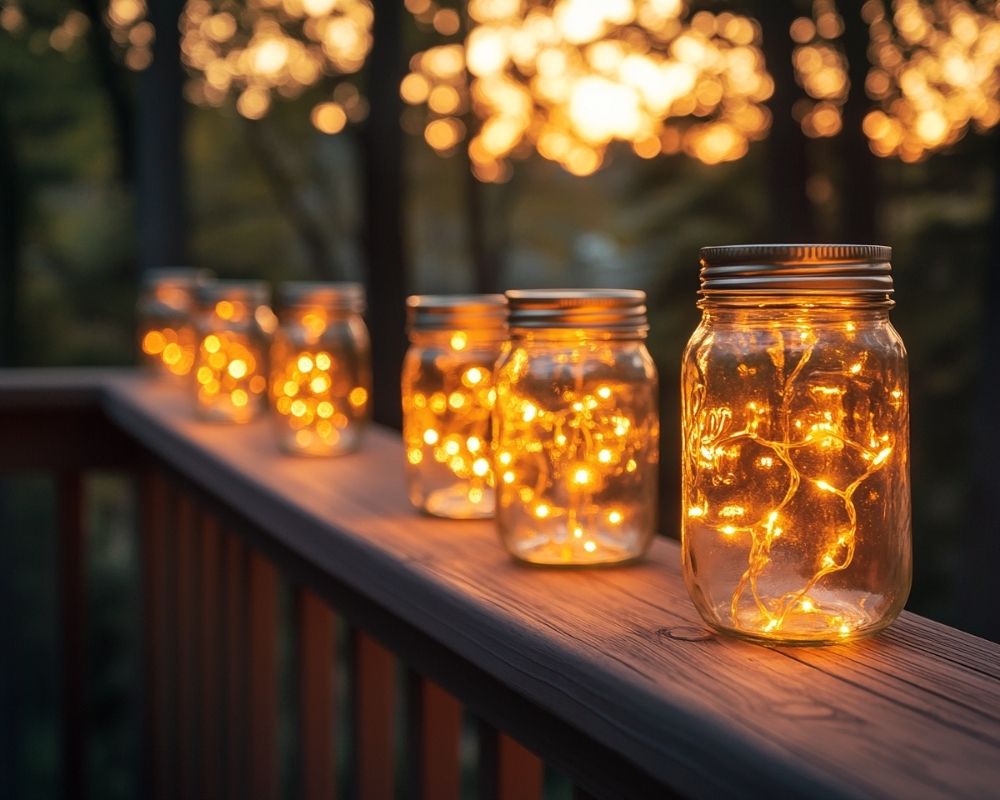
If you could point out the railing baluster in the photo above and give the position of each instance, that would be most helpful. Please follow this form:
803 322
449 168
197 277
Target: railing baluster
210 738
235 566
374 706
315 664
507 769
263 678
187 635
153 548
435 720
72 560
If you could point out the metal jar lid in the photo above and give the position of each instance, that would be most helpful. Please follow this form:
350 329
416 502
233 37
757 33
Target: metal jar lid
618 310
443 312
254 293
848 269
181 277
336 296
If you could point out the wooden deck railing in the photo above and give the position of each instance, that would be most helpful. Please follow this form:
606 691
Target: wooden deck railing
607 675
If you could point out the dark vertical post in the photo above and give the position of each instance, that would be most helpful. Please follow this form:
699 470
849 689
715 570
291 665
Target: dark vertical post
11 207
791 211
72 604
384 224
153 549
859 186
160 174
981 542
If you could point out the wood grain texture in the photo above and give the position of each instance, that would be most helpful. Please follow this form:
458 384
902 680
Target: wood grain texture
597 670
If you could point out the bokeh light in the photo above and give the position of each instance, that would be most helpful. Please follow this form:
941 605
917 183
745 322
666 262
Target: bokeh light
566 79
258 50
935 72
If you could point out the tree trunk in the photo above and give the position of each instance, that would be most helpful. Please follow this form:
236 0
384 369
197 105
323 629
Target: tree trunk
791 211
287 192
160 165
11 220
114 79
859 184
387 274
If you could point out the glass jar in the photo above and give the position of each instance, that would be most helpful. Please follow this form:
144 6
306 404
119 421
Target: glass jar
233 323
166 329
796 494
576 428
447 390
320 369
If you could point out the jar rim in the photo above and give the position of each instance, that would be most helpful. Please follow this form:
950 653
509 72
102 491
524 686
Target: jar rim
185 277
335 295
786 269
596 309
440 312
247 291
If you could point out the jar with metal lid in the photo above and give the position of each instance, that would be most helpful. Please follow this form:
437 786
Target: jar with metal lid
234 322
447 390
320 368
795 423
576 428
166 329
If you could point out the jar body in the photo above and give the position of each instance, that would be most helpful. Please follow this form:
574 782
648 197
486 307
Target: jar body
795 494
167 339
447 390
576 431
230 366
320 381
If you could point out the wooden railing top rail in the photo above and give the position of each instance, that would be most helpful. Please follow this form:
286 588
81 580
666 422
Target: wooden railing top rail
608 673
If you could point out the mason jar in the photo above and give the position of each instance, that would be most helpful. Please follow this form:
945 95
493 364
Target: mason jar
167 341
576 428
795 423
320 368
447 391
233 323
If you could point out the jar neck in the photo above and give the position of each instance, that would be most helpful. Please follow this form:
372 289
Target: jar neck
576 336
746 306
459 339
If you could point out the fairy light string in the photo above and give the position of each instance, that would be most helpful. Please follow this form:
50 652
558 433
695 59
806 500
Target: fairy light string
558 458
448 424
713 448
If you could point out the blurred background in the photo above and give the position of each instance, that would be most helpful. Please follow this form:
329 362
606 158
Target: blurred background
451 146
